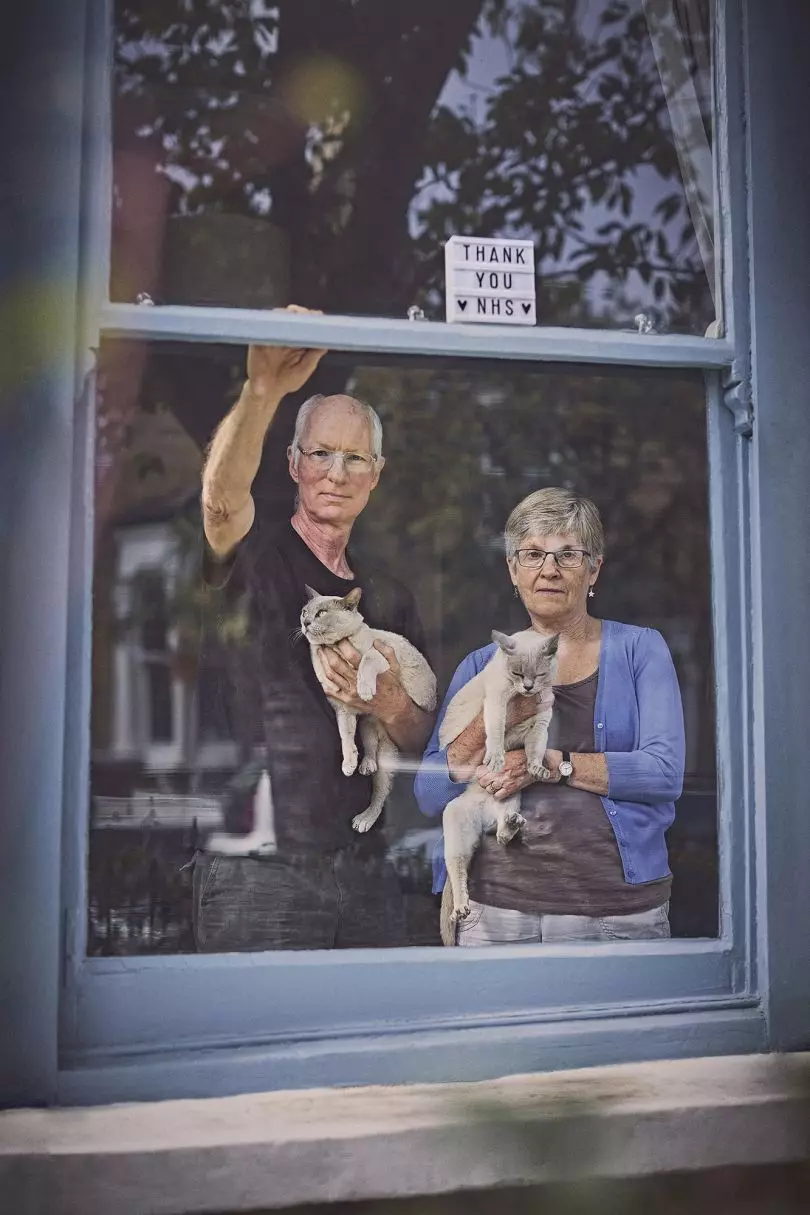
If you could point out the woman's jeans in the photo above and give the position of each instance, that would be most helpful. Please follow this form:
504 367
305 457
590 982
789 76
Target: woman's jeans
499 926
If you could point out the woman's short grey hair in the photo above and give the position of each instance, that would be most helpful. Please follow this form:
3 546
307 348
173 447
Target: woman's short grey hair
555 512
308 408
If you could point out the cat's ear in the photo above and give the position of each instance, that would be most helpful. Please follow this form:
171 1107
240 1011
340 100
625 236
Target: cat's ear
310 593
552 645
507 643
353 598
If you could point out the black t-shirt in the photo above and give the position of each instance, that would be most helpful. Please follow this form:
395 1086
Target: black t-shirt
313 801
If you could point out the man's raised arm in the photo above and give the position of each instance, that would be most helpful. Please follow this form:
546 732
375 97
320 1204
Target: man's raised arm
236 449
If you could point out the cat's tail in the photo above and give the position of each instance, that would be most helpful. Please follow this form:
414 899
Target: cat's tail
463 708
447 924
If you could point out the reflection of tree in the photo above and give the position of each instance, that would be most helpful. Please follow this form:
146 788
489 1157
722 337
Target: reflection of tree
326 120
463 448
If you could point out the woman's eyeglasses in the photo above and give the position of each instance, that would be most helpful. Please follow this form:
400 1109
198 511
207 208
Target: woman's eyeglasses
564 558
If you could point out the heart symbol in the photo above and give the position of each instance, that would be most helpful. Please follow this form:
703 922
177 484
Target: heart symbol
527 309
462 304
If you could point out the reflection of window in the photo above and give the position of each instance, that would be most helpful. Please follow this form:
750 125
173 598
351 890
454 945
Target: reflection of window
150 606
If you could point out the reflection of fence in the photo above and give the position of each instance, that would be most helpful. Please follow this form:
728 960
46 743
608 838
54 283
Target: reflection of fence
139 886
157 810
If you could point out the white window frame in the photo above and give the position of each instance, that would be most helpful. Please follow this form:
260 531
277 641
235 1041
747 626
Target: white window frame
138 1028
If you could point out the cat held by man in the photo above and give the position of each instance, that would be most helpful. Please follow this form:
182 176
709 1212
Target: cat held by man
329 619
524 664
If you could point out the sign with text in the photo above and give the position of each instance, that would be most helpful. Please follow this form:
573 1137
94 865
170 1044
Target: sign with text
489 279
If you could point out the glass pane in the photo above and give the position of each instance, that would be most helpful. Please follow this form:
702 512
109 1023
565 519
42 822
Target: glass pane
464 443
322 152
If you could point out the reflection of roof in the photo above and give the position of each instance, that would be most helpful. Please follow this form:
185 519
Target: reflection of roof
158 510
157 811
157 468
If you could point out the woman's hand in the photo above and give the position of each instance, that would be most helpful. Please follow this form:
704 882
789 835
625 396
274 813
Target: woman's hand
515 776
341 663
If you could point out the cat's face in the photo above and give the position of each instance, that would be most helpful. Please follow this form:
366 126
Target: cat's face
328 619
531 662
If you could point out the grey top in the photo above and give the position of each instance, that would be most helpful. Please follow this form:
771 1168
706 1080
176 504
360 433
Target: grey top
565 861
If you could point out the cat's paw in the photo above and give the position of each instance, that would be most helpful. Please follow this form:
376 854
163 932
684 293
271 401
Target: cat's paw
366 685
461 911
494 760
349 765
368 766
509 826
365 821
536 768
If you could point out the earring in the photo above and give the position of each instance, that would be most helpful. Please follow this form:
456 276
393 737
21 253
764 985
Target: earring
516 591
590 592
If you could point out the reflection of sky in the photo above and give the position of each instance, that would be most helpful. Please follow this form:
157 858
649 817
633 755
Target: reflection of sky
492 57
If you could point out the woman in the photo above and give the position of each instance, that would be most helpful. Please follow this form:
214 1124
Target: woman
591 862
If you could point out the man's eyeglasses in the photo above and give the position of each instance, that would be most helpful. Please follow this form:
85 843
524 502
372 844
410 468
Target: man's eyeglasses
356 463
564 558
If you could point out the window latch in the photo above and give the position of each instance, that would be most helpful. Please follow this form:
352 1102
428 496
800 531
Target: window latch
737 398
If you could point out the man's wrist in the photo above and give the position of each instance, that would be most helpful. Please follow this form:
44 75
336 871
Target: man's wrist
261 395
398 707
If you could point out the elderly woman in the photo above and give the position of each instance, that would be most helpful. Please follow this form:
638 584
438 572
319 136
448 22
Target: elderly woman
591 862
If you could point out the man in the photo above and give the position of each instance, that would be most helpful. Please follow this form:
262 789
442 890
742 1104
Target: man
325 886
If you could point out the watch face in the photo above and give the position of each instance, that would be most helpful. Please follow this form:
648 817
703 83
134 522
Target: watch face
566 768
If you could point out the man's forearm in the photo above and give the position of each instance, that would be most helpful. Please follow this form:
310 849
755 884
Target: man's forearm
409 726
233 461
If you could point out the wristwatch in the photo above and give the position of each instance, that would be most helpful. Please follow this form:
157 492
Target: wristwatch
566 768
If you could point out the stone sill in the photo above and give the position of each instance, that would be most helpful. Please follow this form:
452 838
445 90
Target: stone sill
283 1149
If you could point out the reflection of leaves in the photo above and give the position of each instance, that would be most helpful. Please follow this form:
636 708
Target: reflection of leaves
564 135
463 447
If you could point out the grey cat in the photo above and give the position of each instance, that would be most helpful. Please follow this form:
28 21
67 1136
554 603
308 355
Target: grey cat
328 619
524 664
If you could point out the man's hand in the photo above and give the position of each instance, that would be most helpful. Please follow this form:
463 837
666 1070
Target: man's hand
407 725
273 371
341 663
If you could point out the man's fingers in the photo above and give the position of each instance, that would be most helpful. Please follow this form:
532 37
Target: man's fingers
302 311
388 654
349 653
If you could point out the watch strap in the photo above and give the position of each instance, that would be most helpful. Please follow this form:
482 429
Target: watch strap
566 759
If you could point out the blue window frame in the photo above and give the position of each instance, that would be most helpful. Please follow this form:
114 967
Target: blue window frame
96 1029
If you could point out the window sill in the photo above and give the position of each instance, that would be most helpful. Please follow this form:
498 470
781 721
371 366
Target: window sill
282 1149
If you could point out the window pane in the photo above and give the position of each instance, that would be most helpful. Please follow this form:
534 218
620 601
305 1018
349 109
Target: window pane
321 151
464 442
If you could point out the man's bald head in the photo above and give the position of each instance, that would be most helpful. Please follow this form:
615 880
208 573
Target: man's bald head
338 403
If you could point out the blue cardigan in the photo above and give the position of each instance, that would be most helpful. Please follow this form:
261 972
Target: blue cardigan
638 724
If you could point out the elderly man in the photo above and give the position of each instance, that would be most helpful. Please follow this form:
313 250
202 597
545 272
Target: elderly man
325 886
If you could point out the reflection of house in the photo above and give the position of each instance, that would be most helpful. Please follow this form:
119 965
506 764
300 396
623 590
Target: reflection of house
163 701
160 719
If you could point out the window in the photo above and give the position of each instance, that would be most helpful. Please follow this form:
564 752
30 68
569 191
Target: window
463 444
324 153
662 400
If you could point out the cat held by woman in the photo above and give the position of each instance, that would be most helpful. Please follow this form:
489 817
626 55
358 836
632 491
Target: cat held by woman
524 664
327 620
